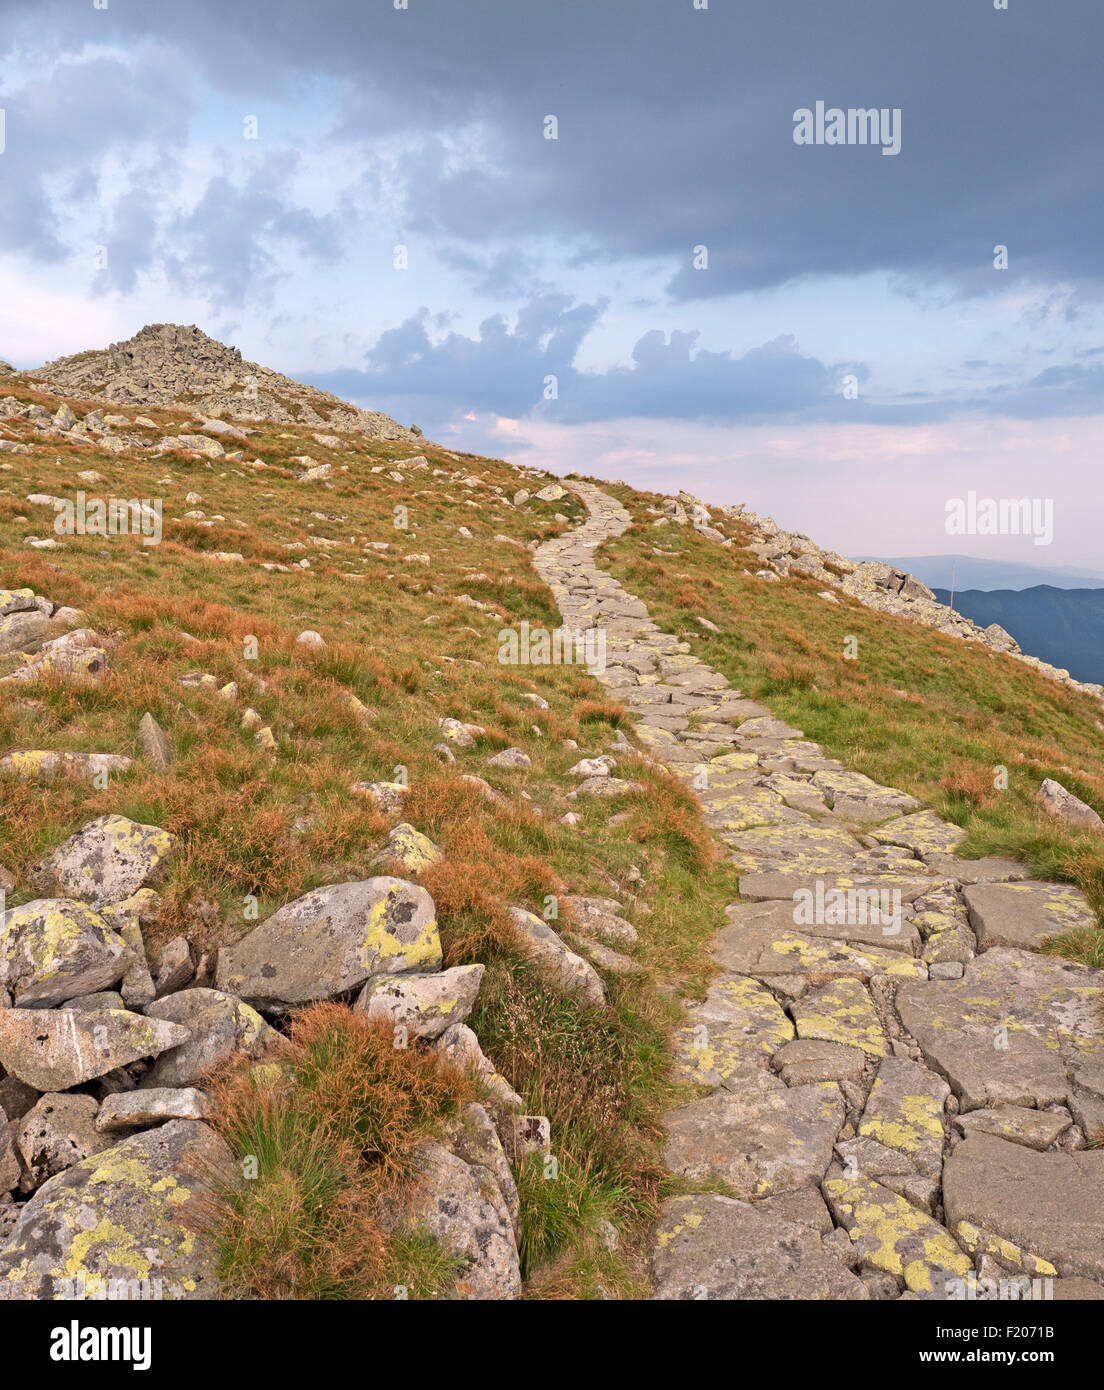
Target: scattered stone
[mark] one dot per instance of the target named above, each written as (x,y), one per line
(154,743)
(126,1218)
(568,973)
(410,848)
(54,1050)
(510,757)
(1055,799)
(330,942)
(425,1005)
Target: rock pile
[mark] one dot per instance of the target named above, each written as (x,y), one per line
(168,365)
(104,1149)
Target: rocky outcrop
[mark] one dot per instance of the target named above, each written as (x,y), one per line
(872,583)
(169,365)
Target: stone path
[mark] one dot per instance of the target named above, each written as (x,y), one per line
(896,1089)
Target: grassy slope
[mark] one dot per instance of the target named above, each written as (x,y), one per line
(273,830)
(913,710)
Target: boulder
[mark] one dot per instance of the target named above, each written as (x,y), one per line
(424,1004)
(53,949)
(123,1223)
(57,1132)
(463,1208)
(22,630)
(54,1050)
(218,1026)
(106,861)
(1055,799)
(330,942)
(153,1106)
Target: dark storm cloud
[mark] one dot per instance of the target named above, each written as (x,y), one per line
(676,125)
(507,370)
(433,377)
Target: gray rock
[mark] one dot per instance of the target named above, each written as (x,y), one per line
(761,1141)
(218,1026)
(1051,1204)
(460,1045)
(107,860)
(510,757)
(1008,1032)
(808,1059)
(53,949)
(330,942)
(54,1050)
(462,1207)
(174,967)
(1036,1129)
(153,1106)
(22,631)
(89,1003)
(155,745)
(126,1222)
(59,1131)
(567,972)
(424,1004)
(1025,914)
(904,1112)
(710,1247)
(1055,799)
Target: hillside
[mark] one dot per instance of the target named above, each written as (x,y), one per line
(317,859)
(166,364)
(1062,626)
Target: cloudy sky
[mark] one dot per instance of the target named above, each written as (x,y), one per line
(671,291)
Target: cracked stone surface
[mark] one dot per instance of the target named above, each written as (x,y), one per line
(940,1118)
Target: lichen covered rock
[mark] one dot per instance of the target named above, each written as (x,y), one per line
(123,1223)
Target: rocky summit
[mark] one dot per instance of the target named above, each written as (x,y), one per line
(167,364)
(422,877)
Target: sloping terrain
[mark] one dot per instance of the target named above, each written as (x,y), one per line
(166,364)
(387,913)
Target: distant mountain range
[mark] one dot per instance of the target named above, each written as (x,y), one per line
(1062,626)
(972,573)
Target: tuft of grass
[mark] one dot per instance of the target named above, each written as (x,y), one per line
(330,1132)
